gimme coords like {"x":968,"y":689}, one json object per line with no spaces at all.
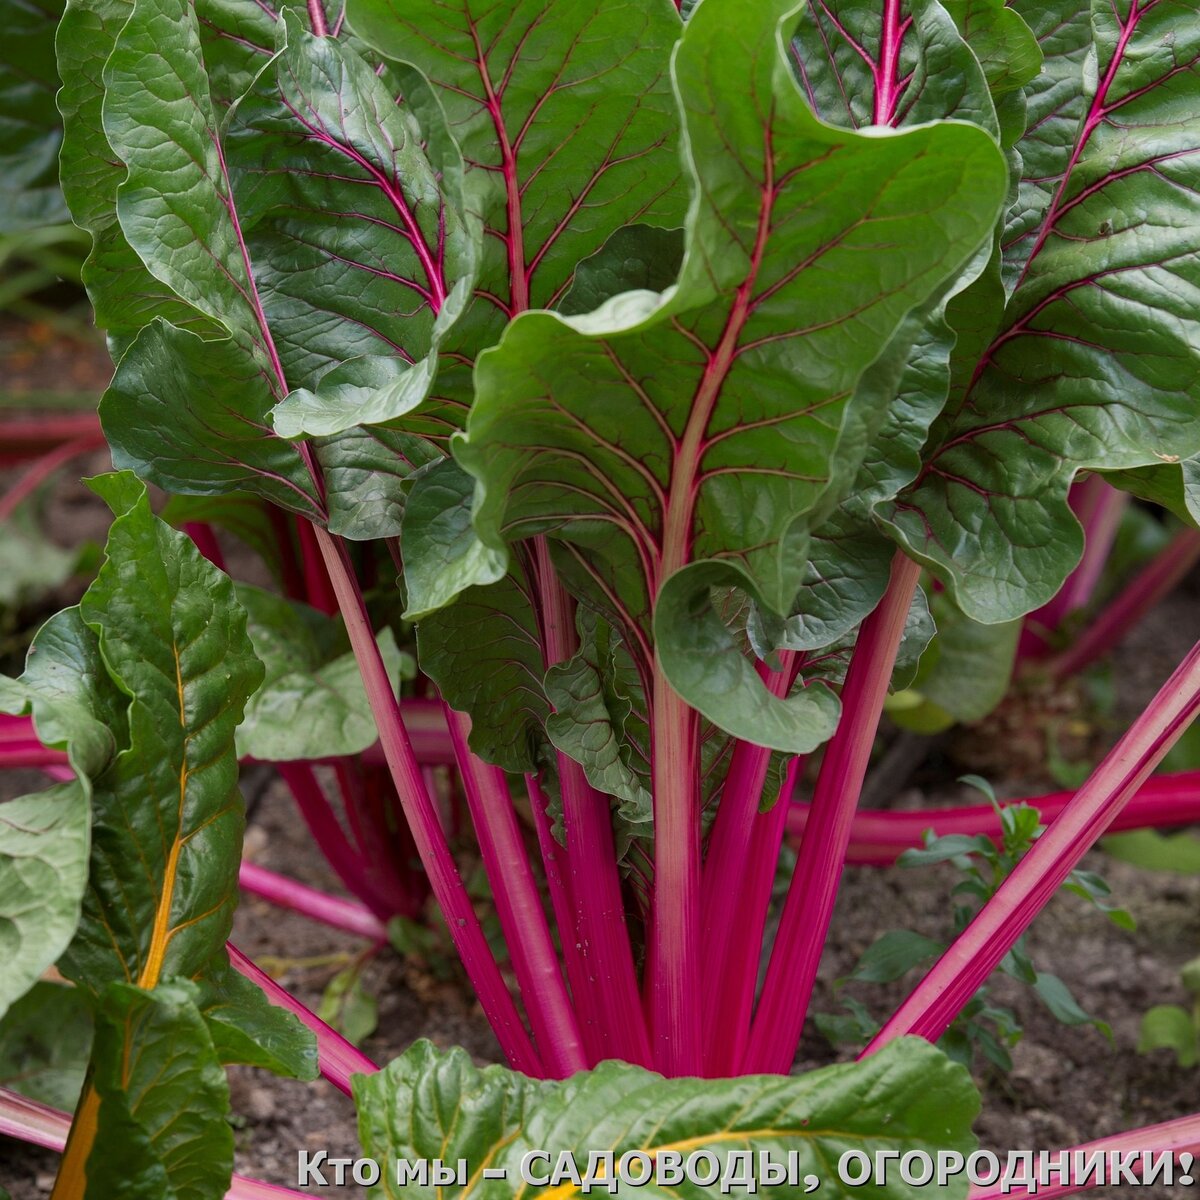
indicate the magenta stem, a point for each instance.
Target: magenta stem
{"x":566,"y":918}
{"x":337,"y":1058}
{"x":809,"y":906}
{"x":318,"y":590}
{"x":421,"y":814}
{"x":731,"y":1031}
{"x":879,"y":838}
{"x":201,"y":533}
{"x":45,"y":466}
{"x":329,"y":835}
{"x":519,"y":907}
{"x":972,"y":957}
{"x":1181,"y":1136}
{"x":591,"y":856}
{"x":1158,"y":578}
{"x":334,"y":911}
{"x":1099,"y":507}
{"x":728,"y":860}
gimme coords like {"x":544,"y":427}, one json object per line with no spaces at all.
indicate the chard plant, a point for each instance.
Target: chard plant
{"x":661,"y":352}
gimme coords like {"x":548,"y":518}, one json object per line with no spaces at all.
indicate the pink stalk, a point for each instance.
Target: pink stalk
{"x":328,"y":833}
{"x":421,"y":814}
{"x":28,"y":1121}
{"x":20,"y":747}
{"x":674,"y":965}
{"x":201,"y":533}
{"x":1177,"y":1138}
{"x":727,"y":861}
{"x":727,"y":1043}
{"x":809,"y":905}
{"x":1099,"y":507}
{"x":591,"y":857}
{"x":1158,"y":578}
{"x":973,"y":956}
{"x":879,"y":838}
{"x":519,"y":907}
{"x":318,"y":590}
{"x":32,"y":437}
{"x":566,"y":918}
{"x":337,"y":1058}
{"x":334,"y":911}
{"x":44,"y":468}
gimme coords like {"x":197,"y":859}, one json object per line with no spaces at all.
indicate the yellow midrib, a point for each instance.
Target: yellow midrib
{"x":71,"y":1183}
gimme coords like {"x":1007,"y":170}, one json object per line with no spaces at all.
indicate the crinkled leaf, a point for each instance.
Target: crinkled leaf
{"x":167,"y":816}
{"x":367,"y":474}
{"x":636,"y":258}
{"x":162,"y":1130}
{"x":485,"y":656}
{"x":311,"y":703}
{"x":191,"y":416}
{"x":594,"y":719}
{"x":1095,"y":361}
{"x":706,"y":666}
{"x":45,"y":1042}
{"x":245,"y":1027}
{"x":124,"y":294}
{"x":45,"y":838}
{"x":967,"y":670}
{"x":43,"y":874}
{"x":426,"y":1104}
{"x":307,"y":221}
{"x":1176,"y":486}
{"x":840,"y":51}
{"x":442,"y":555}
{"x":705,"y":423}
{"x":238,"y":513}
{"x":567,"y":128}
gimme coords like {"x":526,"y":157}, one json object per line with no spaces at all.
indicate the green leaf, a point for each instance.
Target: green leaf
{"x":1167,"y":1026}
{"x":838,"y":49}
{"x":245,"y":1027}
{"x":1156,"y":851}
{"x":45,"y":1041}
{"x":705,"y":665}
{"x":1094,"y":364}
{"x":167,"y":817}
{"x":45,"y":838}
{"x":1176,"y":486}
{"x":1005,"y":46}
{"x":30,"y":565}
{"x":311,"y":703}
{"x":442,"y":555}
{"x":162,"y":1128}
{"x":30,"y":130}
{"x":368,"y":474}
{"x":893,"y":955}
{"x":706,"y":423}
{"x":636,"y":258}
{"x":1056,"y":996}
{"x":568,"y":133}
{"x":348,"y":1007}
{"x":594,"y":720}
{"x":968,"y":668}
{"x":485,"y":656}
{"x":427,"y":1104}
{"x":215,"y":400}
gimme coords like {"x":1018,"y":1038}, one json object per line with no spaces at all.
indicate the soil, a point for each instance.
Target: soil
{"x":1067,"y":1085}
